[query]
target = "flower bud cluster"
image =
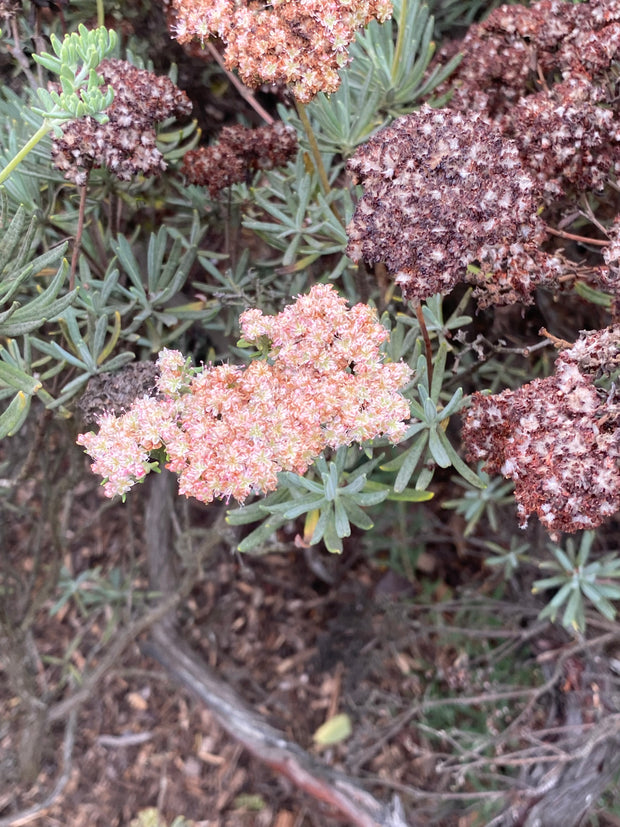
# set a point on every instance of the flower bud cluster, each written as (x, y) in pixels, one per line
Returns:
(444, 191)
(558, 438)
(228, 431)
(238, 153)
(126, 144)
(299, 42)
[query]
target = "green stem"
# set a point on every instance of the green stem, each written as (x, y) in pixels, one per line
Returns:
(400, 44)
(14, 162)
(316, 154)
(100, 14)
(314, 147)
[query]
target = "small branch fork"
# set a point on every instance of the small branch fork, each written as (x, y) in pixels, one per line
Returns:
(266, 743)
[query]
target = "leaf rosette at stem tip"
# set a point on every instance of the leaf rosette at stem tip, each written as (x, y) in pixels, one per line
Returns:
(331, 497)
(75, 63)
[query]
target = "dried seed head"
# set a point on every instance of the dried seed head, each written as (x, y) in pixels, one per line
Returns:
(443, 191)
(566, 469)
(563, 134)
(565, 138)
(506, 55)
(126, 144)
(239, 152)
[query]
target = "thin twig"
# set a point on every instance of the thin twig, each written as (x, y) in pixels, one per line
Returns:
(243, 90)
(28, 816)
(582, 239)
(78, 237)
(264, 742)
(559, 343)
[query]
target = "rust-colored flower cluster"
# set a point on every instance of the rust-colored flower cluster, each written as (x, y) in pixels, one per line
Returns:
(238, 153)
(558, 438)
(444, 192)
(298, 42)
(126, 144)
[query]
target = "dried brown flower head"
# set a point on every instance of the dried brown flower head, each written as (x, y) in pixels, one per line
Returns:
(540, 73)
(299, 42)
(444, 191)
(505, 57)
(115, 392)
(565, 138)
(9, 8)
(126, 144)
(239, 152)
(558, 438)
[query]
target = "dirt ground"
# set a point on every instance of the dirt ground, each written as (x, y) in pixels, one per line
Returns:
(297, 649)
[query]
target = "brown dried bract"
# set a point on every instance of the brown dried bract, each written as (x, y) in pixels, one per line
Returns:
(558, 438)
(126, 144)
(444, 192)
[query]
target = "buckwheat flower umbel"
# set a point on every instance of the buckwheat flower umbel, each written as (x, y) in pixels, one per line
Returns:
(227, 430)
(558, 438)
(298, 42)
(122, 446)
(447, 199)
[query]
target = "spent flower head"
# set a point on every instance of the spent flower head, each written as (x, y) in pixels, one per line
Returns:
(558, 438)
(126, 143)
(505, 56)
(544, 75)
(238, 153)
(447, 199)
(228, 431)
(298, 42)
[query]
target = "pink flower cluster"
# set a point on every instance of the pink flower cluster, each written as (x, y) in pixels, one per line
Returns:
(228, 431)
(299, 42)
